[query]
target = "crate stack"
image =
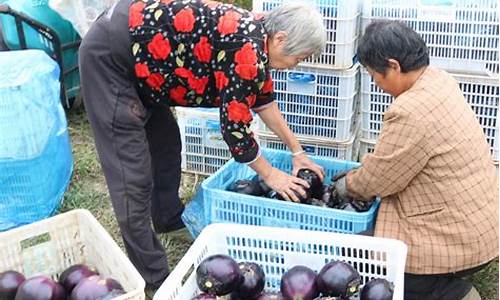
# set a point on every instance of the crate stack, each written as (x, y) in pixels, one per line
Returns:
(319, 98)
(463, 38)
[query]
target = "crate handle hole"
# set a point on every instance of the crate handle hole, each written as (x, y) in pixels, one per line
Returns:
(188, 274)
(35, 240)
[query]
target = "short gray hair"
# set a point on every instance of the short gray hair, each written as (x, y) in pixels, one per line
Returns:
(302, 23)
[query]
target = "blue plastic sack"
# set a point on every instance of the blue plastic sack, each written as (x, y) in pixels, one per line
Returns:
(194, 214)
(35, 152)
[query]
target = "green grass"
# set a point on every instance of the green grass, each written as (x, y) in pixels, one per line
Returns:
(88, 190)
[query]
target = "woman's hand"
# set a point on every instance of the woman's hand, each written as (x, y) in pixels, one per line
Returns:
(302, 161)
(287, 186)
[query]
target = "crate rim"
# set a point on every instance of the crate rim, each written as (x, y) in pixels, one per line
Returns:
(312, 139)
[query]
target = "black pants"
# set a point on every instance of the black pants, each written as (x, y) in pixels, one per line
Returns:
(139, 148)
(449, 286)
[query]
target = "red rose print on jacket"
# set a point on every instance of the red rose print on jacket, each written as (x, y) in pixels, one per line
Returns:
(159, 47)
(246, 60)
(184, 20)
(178, 95)
(268, 86)
(198, 84)
(203, 50)
(221, 81)
(246, 55)
(238, 112)
(135, 14)
(183, 72)
(141, 70)
(229, 22)
(155, 81)
(167, 1)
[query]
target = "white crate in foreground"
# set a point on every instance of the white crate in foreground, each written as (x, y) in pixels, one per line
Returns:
(50, 246)
(278, 249)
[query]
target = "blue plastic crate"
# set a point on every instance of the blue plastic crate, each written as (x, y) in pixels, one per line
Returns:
(222, 206)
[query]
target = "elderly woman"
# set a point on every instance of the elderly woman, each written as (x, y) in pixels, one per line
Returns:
(142, 57)
(432, 167)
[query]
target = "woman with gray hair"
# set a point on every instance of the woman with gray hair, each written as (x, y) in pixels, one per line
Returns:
(142, 57)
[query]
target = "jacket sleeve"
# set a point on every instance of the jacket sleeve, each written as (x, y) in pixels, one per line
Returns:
(400, 154)
(240, 80)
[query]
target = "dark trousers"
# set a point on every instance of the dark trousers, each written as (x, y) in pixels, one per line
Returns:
(139, 148)
(449, 286)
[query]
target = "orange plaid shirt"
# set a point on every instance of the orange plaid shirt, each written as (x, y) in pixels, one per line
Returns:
(433, 169)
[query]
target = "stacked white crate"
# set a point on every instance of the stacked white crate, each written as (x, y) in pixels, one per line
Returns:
(463, 38)
(319, 98)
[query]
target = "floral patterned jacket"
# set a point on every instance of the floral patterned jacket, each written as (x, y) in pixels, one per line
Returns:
(206, 54)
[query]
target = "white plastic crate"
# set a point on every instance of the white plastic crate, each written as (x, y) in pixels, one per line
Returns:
(462, 35)
(204, 150)
(50, 246)
(316, 103)
(342, 150)
(341, 19)
(481, 92)
(365, 147)
(278, 249)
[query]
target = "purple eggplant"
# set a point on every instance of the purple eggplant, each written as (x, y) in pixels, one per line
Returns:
(9, 283)
(247, 187)
(338, 279)
(94, 287)
(70, 277)
(218, 275)
(299, 283)
(253, 281)
(315, 183)
(377, 289)
(40, 288)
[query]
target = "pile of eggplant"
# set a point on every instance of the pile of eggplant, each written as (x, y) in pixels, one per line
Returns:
(220, 277)
(317, 194)
(78, 282)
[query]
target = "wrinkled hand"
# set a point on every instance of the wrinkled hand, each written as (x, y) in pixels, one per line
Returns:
(287, 186)
(303, 161)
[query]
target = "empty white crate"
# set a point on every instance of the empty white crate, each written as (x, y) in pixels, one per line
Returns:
(341, 19)
(204, 150)
(315, 102)
(481, 92)
(462, 35)
(341, 150)
(278, 249)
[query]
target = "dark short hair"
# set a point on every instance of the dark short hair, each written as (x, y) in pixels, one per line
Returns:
(384, 39)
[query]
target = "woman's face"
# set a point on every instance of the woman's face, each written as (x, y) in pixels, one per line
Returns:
(277, 57)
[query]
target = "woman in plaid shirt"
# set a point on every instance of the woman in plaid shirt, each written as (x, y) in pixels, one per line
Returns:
(142, 57)
(431, 166)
